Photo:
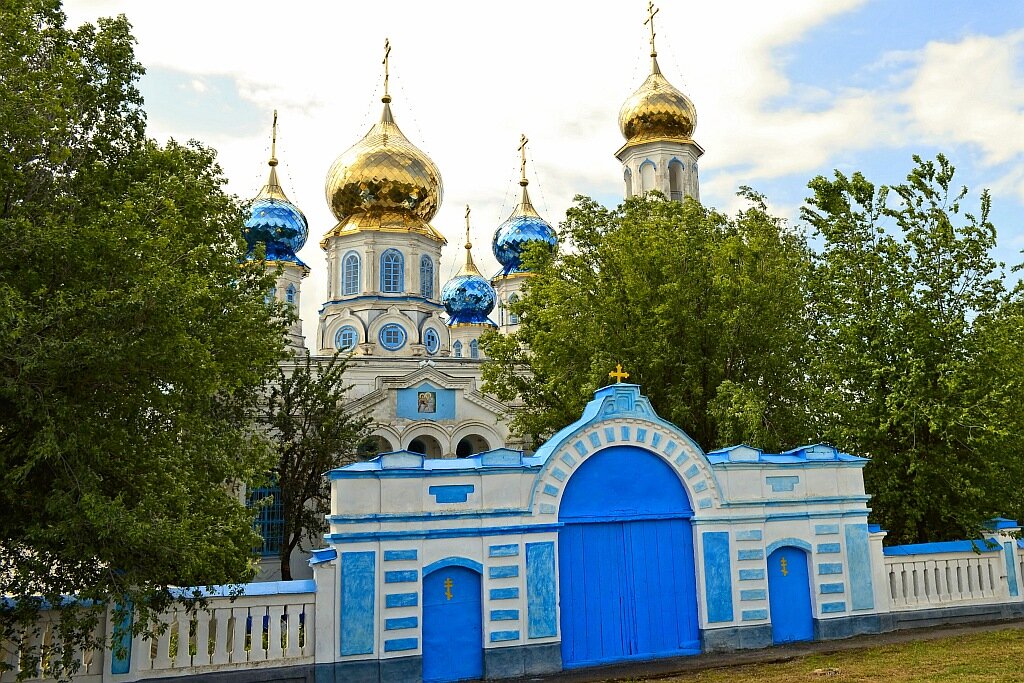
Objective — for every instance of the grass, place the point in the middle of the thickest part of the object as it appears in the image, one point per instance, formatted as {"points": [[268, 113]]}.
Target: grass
{"points": [[993, 657]]}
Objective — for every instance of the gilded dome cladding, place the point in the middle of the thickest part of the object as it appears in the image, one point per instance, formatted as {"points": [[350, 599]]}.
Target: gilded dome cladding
{"points": [[657, 110], [384, 172]]}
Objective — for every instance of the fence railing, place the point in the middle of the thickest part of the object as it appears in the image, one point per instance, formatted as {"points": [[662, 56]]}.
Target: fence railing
{"points": [[941, 574], [22, 655]]}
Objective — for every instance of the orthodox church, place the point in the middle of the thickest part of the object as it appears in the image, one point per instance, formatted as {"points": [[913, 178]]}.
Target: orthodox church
{"points": [[416, 361]]}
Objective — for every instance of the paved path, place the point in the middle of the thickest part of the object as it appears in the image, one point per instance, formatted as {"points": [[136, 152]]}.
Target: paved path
{"points": [[663, 668]]}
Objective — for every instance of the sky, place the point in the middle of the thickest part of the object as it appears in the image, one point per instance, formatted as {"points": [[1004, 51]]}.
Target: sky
{"points": [[785, 91]]}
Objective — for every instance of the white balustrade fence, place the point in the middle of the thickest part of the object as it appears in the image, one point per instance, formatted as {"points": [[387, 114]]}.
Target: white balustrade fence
{"points": [[17, 655], [946, 579]]}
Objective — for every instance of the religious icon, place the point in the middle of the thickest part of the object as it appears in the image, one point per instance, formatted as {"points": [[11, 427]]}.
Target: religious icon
{"points": [[427, 402]]}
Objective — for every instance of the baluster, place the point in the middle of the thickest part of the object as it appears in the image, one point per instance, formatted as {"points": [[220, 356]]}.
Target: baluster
{"points": [[163, 644], [221, 642], [274, 614], [183, 659], [239, 653], [308, 629], [202, 655], [294, 616]]}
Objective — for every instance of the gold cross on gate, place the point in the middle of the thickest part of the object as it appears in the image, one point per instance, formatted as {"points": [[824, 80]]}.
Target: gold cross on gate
{"points": [[619, 374], [448, 583], [784, 565]]}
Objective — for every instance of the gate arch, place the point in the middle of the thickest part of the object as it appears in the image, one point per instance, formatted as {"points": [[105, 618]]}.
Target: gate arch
{"points": [[625, 553]]}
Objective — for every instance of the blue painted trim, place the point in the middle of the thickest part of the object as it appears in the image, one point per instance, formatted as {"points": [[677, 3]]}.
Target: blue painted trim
{"points": [[321, 555], [1011, 568], [779, 517], [752, 595], [751, 574], [755, 614], [501, 636], [827, 568], [401, 644], [451, 493], [833, 607], [124, 613], [826, 529], [503, 571], [393, 600], [401, 623], [749, 535], [358, 596], [858, 562], [717, 576], [427, 516], [743, 555], [441, 533], [979, 545], [508, 550], [417, 473], [396, 555], [782, 484], [793, 542], [504, 593], [296, 587], [541, 591], [828, 548], [504, 615], [454, 562], [827, 588], [404, 576], [796, 502]]}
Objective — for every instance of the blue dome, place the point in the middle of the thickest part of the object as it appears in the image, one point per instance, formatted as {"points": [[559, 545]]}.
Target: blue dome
{"points": [[523, 227], [468, 298], [278, 224]]}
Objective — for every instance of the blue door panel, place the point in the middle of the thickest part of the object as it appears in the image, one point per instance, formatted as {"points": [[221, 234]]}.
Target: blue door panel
{"points": [[452, 625], [789, 595]]}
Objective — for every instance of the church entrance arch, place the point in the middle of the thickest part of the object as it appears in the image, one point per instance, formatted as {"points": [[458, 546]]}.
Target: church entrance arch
{"points": [[789, 595], [625, 561], [453, 648]]}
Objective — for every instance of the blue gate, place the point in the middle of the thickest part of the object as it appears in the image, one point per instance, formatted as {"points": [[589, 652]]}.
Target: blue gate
{"points": [[452, 625], [789, 595], [625, 557]]}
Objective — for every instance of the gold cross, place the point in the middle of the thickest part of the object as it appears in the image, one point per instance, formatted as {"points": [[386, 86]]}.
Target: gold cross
{"points": [[785, 570], [273, 142], [619, 373], [651, 11], [522, 156], [468, 243], [387, 53], [448, 583]]}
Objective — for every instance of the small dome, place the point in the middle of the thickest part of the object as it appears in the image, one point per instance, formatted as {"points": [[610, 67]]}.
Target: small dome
{"points": [[657, 110], [275, 221], [384, 173], [468, 297], [523, 227]]}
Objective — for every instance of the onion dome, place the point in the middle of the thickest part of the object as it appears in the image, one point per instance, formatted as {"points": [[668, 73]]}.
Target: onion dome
{"points": [[274, 220], [468, 297], [523, 227], [384, 182], [657, 110]]}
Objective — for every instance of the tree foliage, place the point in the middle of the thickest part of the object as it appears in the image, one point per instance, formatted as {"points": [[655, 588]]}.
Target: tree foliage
{"points": [[917, 350], [312, 433], [133, 346], [705, 311]]}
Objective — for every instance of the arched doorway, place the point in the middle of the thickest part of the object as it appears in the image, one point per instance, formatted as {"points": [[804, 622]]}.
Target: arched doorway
{"points": [[789, 595], [453, 645], [471, 444], [625, 560], [426, 445], [373, 445]]}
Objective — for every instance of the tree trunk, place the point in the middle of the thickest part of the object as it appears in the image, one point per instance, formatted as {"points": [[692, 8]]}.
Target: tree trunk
{"points": [[286, 563]]}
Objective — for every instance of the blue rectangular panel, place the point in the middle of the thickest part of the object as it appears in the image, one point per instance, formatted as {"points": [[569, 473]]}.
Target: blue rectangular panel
{"points": [[541, 592], [833, 607], [828, 548], [401, 644], [451, 493], [504, 593], [358, 585], [1011, 569], [830, 568], [396, 555], [507, 550], [400, 623], [401, 599], [407, 576], [827, 588], [718, 576], [782, 484], [503, 572], [756, 594], [751, 575], [426, 402], [749, 535], [504, 615], [755, 614], [750, 555], [499, 636], [826, 529], [858, 558]]}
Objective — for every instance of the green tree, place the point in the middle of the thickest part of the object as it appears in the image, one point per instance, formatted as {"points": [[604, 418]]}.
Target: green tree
{"points": [[133, 346], [705, 311], [311, 433], [914, 349]]}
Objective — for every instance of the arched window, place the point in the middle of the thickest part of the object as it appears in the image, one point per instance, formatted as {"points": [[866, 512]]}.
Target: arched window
{"points": [[513, 318], [431, 341], [392, 268], [392, 336], [457, 349], [675, 180], [290, 294], [426, 277], [345, 338], [474, 349], [270, 296], [627, 177], [350, 274], [647, 176]]}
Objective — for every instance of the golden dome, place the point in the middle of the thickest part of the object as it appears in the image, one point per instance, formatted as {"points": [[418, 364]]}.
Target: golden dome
{"points": [[384, 180], [657, 110]]}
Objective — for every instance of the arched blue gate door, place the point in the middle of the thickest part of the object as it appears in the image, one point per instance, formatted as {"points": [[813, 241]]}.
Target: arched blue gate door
{"points": [[789, 595], [625, 559], [452, 625]]}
